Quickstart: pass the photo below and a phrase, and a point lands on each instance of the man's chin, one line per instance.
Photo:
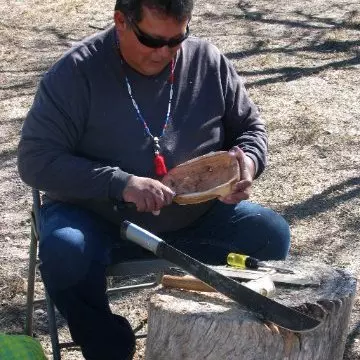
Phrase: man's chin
(153, 68)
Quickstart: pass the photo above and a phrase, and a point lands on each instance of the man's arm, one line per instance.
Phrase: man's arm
(47, 157)
(245, 133)
(243, 126)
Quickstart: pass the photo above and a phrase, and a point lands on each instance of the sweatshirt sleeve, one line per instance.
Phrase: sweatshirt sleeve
(242, 122)
(47, 156)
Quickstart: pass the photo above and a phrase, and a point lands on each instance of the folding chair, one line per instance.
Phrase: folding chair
(147, 264)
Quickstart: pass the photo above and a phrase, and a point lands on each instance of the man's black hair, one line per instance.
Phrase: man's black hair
(178, 9)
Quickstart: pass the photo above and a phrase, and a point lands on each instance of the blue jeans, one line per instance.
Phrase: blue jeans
(75, 247)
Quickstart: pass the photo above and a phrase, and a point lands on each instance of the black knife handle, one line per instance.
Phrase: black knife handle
(122, 205)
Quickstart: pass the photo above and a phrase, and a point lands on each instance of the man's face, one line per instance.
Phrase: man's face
(154, 25)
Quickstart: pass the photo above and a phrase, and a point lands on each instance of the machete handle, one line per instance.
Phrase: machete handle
(140, 236)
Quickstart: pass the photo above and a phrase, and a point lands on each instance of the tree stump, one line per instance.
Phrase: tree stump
(188, 325)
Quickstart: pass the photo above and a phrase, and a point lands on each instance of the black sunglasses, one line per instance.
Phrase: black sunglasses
(155, 43)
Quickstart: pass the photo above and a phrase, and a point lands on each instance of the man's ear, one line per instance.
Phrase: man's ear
(120, 20)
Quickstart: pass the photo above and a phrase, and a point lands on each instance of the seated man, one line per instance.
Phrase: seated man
(108, 120)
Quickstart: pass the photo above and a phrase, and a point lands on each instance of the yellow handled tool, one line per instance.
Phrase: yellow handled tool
(249, 262)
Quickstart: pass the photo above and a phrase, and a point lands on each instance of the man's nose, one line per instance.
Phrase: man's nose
(164, 51)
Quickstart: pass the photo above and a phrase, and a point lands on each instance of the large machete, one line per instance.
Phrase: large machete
(263, 307)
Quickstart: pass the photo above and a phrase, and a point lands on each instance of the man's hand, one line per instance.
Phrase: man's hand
(242, 189)
(147, 194)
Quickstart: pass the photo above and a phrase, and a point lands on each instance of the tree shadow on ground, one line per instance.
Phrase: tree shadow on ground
(310, 21)
(16, 120)
(7, 155)
(314, 30)
(49, 43)
(293, 73)
(12, 319)
(352, 337)
(50, 40)
(324, 201)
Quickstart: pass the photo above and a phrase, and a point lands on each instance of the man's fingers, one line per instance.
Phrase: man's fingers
(140, 204)
(235, 198)
(168, 195)
(241, 157)
(235, 149)
(240, 191)
(159, 200)
(242, 185)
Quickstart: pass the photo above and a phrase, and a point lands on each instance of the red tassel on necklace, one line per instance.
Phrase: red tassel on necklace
(160, 167)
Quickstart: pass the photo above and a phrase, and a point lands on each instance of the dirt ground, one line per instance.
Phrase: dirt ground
(300, 61)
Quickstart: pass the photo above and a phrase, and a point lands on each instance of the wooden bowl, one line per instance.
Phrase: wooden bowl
(203, 178)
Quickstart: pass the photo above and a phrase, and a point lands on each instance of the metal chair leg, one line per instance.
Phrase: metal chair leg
(31, 281)
(52, 327)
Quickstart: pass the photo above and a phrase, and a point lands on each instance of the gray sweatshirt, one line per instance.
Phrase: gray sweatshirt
(82, 140)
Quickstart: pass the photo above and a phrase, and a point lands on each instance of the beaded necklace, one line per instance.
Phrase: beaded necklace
(159, 161)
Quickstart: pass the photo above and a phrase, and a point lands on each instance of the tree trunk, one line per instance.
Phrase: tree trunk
(188, 325)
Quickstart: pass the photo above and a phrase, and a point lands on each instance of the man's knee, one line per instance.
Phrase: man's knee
(64, 257)
(277, 233)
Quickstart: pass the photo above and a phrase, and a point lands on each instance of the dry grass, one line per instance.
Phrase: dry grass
(300, 61)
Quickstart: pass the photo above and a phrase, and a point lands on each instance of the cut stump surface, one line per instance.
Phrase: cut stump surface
(186, 325)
